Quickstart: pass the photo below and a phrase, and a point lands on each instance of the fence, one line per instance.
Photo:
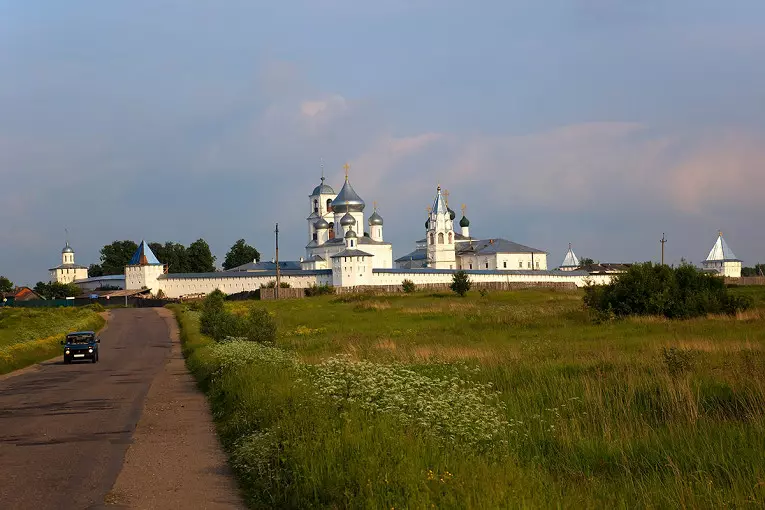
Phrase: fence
(283, 293)
(746, 280)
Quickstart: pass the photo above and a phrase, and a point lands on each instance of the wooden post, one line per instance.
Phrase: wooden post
(278, 274)
(663, 240)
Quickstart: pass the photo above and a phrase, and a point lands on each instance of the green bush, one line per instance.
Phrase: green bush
(216, 322)
(408, 286)
(96, 307)
(461, 283)
(260, 326)
(654, 289)
(319, 290)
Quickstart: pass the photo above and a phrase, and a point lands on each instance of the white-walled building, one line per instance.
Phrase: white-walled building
(68, 271)
(722, 260)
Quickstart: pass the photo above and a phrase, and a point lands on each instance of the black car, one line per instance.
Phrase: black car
(81, 345)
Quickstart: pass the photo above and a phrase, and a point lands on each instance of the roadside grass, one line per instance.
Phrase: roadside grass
(526, 401)
(31, 335)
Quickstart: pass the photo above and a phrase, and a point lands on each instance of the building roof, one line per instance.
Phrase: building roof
(21, 294)
(352, 253)
(347, 200)
(323, 189)
(244, 274)
(464, 222)
(264, 266)
(347, 220)
(321, 224)
(67, 248)
(570, 260)
(606, 268)
(68, 266)
(420, 254)
(494, 246)
(340, 240)
(105, 278)
(505, 272)
(721, 252)
(143, 256)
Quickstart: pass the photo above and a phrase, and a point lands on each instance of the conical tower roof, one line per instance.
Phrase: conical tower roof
(439, 204)
(721, 252)
(570, 260)
(143, 256)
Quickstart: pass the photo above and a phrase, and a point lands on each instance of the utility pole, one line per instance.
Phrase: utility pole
(663, 240)
(278, 273)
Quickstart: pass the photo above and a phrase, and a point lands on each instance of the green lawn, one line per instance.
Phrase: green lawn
(515, 399)
(29, 335)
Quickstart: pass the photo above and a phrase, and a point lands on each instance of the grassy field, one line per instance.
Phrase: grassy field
(510, 400)
(30, 335)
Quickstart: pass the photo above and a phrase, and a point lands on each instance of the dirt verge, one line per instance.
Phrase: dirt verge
(175, 460)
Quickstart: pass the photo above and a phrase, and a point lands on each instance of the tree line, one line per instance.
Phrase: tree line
(194, 258)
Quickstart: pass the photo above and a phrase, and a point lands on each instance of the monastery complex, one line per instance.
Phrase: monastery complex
(347, 249)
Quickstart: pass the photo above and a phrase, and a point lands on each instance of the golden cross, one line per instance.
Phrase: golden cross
(375, 204)
(446, 195)
(463, 209)
(347, 167)
(429, 209)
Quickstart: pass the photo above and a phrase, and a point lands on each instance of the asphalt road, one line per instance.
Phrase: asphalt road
(64, 429)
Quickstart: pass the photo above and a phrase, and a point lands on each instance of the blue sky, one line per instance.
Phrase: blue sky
(595, 122)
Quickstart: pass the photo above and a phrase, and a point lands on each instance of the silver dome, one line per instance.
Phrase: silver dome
(375, 219)
(347, 200)
(67, 249)
(321, 224)
(350, 234)
(347, 220)
(323, 189)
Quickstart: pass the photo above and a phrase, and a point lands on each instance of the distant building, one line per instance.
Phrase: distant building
(722, 260)
(19, 294)
(570, 261)
(68, 271)
(112, 281)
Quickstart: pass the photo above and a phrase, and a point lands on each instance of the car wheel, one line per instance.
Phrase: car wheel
(67, 360)
(94, 359)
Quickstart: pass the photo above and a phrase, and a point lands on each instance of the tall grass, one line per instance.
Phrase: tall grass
(28, 336)
(363, 403)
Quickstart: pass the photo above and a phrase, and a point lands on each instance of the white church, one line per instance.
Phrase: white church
(340, 252)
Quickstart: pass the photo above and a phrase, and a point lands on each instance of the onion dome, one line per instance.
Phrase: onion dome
(347, 220)
(452, 214)
(323, 189)
(321, 224)
(427, 223)
(67, 249)
(350, 234)
(375, 219)
(464, 222)
(347, 200)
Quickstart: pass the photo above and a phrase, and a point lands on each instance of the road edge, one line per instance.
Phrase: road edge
(176, 429)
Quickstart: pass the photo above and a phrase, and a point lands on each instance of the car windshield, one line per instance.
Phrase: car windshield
(79, 339)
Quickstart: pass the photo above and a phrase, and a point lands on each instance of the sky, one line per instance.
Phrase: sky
(601, 123)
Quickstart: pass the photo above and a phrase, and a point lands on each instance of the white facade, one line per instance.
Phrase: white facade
(504, 261)
(68, 271)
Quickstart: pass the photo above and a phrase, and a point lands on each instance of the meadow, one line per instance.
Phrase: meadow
(512, 399)
(30, 335)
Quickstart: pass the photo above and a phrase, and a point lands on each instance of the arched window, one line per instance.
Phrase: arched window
(332, 230)
(329, 205)
(316, 206)
(440, 238)
(315, 236)
(451, 239)
(432, 238)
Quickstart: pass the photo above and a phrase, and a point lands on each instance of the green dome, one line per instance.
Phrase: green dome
(464, 222)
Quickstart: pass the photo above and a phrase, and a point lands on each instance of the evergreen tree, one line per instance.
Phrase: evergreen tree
(461, 283)
(5, 284)
(115, 256)
(199, 257)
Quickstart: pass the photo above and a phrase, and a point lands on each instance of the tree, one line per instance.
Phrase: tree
(757, 270)
(240, 253)
(5, 284)
(586, 262)
(408, 286)
(56, 290)
(115, 256)
(175, 255)
(199, 257)
(461, 283)
(95, 270)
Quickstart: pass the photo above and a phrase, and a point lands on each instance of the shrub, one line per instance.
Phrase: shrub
(484, 292)
(408, 286)
(319, 290)
(461, 283)
(261, 327)
(96, 307)
(676, 293)
(284, 285)
(216, 322)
